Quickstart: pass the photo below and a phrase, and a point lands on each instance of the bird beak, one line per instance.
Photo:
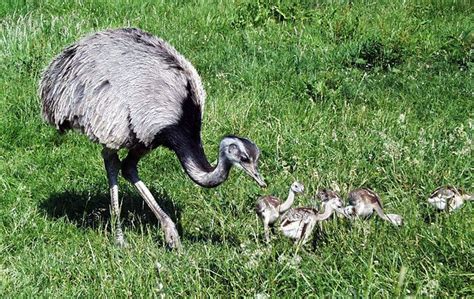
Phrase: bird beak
(252, 171)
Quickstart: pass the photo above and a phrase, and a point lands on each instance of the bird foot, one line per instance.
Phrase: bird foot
(172, 238)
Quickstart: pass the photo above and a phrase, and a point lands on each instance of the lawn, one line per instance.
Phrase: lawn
(335, 94)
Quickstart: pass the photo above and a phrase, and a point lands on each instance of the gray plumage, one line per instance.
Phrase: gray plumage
(126, 88)
(119, 87)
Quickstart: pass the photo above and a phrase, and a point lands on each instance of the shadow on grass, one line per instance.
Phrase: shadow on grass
(430, 215)
(92, 210)
(213, 238)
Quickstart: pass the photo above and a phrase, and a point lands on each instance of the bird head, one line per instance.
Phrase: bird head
(297, 187)
(244, 154)
(395, 219)
(330, 197)
(327, 194)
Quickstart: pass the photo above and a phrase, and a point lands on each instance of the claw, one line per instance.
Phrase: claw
(172, 238)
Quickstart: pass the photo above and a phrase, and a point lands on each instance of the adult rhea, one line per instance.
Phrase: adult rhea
(127, 89)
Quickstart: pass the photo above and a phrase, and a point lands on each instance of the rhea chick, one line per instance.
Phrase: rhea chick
(331, 197)
(448, 198)
(298, 223)
(363, 202)
(269, 208)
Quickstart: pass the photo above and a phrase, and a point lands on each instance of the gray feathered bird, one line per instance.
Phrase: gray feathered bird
(126, 88)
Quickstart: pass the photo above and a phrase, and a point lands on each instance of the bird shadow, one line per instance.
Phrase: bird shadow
(430, 215)
(212, 238)
(91, 210)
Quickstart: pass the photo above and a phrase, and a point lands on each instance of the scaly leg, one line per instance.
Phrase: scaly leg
(307, 231)
(112, 166)
(130, 172)
(266, 228)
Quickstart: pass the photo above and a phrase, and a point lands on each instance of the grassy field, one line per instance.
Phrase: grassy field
(335, 95)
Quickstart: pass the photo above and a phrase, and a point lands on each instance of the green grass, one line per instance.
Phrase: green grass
(347, 95)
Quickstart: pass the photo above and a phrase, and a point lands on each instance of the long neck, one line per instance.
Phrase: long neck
(381, 213)
(194, 162)
(328, 210)
(288, 202)
(468, 197)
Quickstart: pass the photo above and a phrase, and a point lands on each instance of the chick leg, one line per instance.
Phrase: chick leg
(112, 166)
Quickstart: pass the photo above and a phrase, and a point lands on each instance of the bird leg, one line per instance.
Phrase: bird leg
(266, 230)
(112, 166)
(130, 172)
(306, 231)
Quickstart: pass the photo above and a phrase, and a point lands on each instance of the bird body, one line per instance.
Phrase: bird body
(122, 87)
(125, 88)
(448, 198)
(363, 202)
(269, 208)
(298, 223)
